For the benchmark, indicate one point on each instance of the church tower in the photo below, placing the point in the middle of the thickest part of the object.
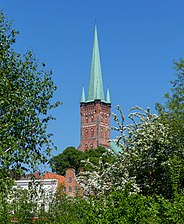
(95, 110)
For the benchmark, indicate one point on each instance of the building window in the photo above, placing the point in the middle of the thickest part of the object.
(86, 132)
(102, 119)
(105, 118)
(69, 180)
(102, 133)
(86, 146)
(107, 134)
(50, 194)
(91, 146)
(86, 119)
(64, 189)
(70, 189)
(92, 118)
(75, 188)
(92, 132)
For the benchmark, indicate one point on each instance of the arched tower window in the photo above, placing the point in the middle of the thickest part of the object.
(86, 119)
(107, 134)
(102, 119)
(92, 132)
(106, 118)
(102, 133)
(86, 132)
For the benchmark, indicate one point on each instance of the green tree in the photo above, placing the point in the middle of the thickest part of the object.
(172, 114)
(95, 157)
(175, 99)
(26, 90)
(71, 157)
(152, 149)
(173, 110)
(145, 161)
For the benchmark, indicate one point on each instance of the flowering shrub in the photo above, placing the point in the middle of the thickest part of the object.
(144, 162)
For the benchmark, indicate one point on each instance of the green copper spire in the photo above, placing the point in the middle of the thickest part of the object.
(83, 98)
(108, 98)
(95, 83)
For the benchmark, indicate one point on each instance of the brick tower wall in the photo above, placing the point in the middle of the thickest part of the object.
(95, 125)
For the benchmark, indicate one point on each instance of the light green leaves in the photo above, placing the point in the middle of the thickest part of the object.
(26, 90)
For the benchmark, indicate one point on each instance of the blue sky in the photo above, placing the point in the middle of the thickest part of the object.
(138, 40)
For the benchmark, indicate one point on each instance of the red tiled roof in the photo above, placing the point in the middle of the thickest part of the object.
(50, 175)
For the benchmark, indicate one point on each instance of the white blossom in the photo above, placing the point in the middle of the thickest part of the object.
(137, 141)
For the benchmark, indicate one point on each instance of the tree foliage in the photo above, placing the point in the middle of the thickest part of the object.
(26, 90)
(71, 157)
(146, 144)
(175, 99)
(142, 184)
(172, 114)
(146, 163)
(118, 207)
(152, 154)
(173, 110)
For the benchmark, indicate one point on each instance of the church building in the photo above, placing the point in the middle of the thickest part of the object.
(95, 110)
